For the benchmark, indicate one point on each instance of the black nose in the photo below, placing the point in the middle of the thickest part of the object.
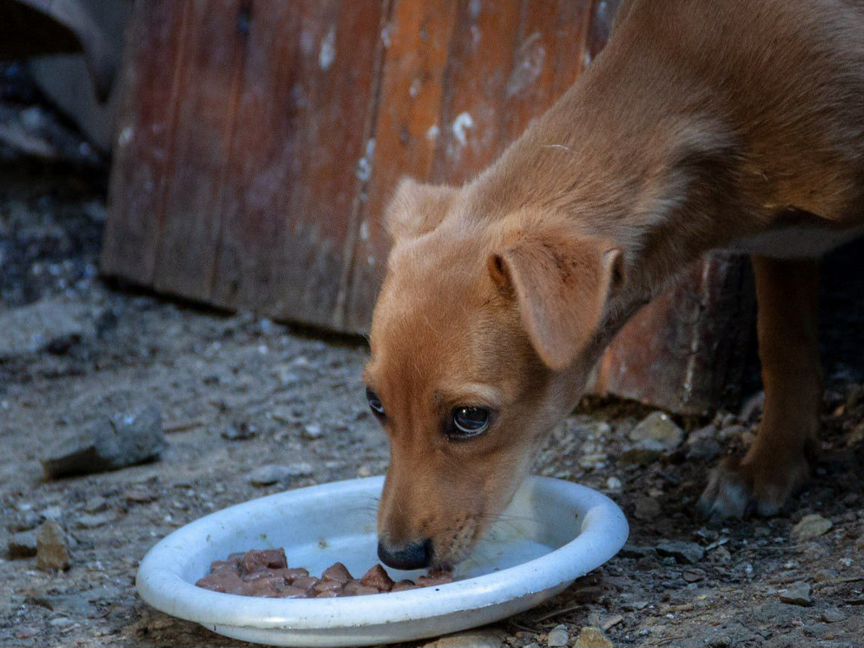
(412, 556)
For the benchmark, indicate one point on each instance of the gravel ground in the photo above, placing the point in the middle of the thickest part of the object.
(238, 392)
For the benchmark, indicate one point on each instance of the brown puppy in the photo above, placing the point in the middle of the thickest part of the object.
(704, 124)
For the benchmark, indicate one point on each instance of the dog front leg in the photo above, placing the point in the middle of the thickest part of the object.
(776, 465)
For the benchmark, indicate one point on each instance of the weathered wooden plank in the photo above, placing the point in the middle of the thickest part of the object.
(258, 176)
(482, 50)
(417, 39)
(149, 94)
(687, 350)
(211, 62)
(341, 50)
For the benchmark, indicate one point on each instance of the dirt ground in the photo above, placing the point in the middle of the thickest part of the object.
(237, 391)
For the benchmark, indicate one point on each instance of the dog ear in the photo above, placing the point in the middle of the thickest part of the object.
(417, 208)
(562, 286)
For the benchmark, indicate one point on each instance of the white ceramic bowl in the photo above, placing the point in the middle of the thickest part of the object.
(552, 533)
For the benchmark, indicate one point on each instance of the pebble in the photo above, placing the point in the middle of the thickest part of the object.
(109, 442)
(683, 552)
(240, 431)
(312, 431)
(140, 496)
(52, 551)
(614, 484)
(22, 545)
(702, 444)
(833, 615)
(647, 508)
(471, 639)
(273, 473)
(51, 324)
(557, 637)
(798, 594)
(811, 526)
(88, 521)
(643, 452)
(591, 637)
(658, 427)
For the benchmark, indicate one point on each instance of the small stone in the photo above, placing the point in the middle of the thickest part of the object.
(558, 637)
(240, 431)
(88, 521)
(636, 551)
(109, 442)
(833, 615)
(471, 639)
(95, 504)
(51, 324)
(140, 496)
(643, 453)
(702, 444)
(811, 526)
(613, 484)
(273, 473)
(268, 474)
(732, 432)
(658, 427)
(611, 622)
(312, 431)
(52, 551)
(683, 552)
(798, 594)
(22, 545)
(591, 637)
(647, 508)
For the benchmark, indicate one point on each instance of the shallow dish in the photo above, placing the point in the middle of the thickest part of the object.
(552, 533)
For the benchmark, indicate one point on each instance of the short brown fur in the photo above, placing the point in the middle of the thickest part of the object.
(704, 124)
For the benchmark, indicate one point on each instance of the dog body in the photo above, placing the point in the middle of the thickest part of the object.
(704, 124)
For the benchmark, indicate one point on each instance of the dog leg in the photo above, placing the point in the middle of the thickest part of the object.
(776, 465)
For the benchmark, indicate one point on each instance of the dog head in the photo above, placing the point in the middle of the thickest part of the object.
(482, 339)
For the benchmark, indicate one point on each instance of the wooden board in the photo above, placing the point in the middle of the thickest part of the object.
(260, 141)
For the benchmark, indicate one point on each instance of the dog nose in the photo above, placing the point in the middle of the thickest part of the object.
(412, 556)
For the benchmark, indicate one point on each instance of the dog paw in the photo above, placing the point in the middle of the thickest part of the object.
(737, 488)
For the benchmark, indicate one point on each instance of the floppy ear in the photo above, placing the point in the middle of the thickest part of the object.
(417, 208)
(562, 285)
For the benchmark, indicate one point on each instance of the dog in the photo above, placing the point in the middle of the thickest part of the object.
(704, 124)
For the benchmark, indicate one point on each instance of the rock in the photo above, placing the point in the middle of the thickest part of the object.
(683, 552)
(643, 452)
(833, 615)
(273, 473)
(240, 431)
(636, 551)
(52, 551)
(312, 431)
(88, 521)
(471, 639)
(591, 637)
(647, 508)
(732, 432)
(611, 622)
(557, 637)
(22, 545)
(811, 526)
(658, 427)
(51, 324)
(798, 594)
(702, 444)
(613, 484)
(125, 438)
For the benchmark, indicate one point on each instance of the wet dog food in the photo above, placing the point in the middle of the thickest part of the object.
(266, 573)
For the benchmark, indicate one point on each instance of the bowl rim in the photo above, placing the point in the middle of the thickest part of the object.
(159, 582)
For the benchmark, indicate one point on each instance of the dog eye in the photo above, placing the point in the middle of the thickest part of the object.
(374, 403)
(469, 422)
